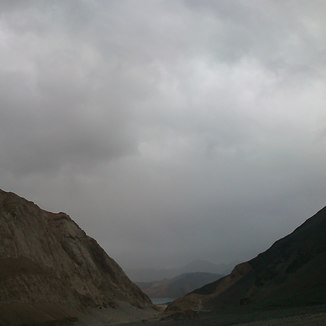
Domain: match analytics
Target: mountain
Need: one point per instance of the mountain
(177, 286)
(50, 270)
(153, 275)
(203, 266)
(149, 274)
(291, 273)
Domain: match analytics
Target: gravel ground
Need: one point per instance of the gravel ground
(305, 316)
(307, 320)
(304, 320)
(309, 316)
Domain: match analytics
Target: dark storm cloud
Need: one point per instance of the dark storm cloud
(171, 130)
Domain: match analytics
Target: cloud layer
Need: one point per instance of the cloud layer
(170, 130)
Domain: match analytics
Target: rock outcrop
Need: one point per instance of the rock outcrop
(50, 270)
(291, 273)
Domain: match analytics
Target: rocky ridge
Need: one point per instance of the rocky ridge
(291, 273)
(50, 270)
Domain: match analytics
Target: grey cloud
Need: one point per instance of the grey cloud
(45, 126)
(170, 130)
(285, 36)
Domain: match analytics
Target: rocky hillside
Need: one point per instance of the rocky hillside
(51, 270)
(290, 273)
(177, 286)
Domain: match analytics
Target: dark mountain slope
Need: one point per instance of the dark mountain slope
(51, 270)
(292, 272)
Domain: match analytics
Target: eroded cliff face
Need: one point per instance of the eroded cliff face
(51, 270)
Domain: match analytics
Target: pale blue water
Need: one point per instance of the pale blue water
(162, 300)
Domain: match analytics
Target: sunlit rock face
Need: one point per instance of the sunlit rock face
(51, 270)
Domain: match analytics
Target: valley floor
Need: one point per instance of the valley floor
(305, 320)
(310, 316)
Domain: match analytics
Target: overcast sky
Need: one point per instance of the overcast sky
(169, 130)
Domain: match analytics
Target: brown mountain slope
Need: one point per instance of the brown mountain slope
(290, 273)
(51, 270)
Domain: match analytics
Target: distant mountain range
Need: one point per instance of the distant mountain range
(291, 273)
(196, 266)
(177, 286)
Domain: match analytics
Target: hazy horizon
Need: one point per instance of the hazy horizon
(170, 131)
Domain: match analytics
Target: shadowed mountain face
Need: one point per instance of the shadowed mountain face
(51, 270)
(177, 286)
(290, 273)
